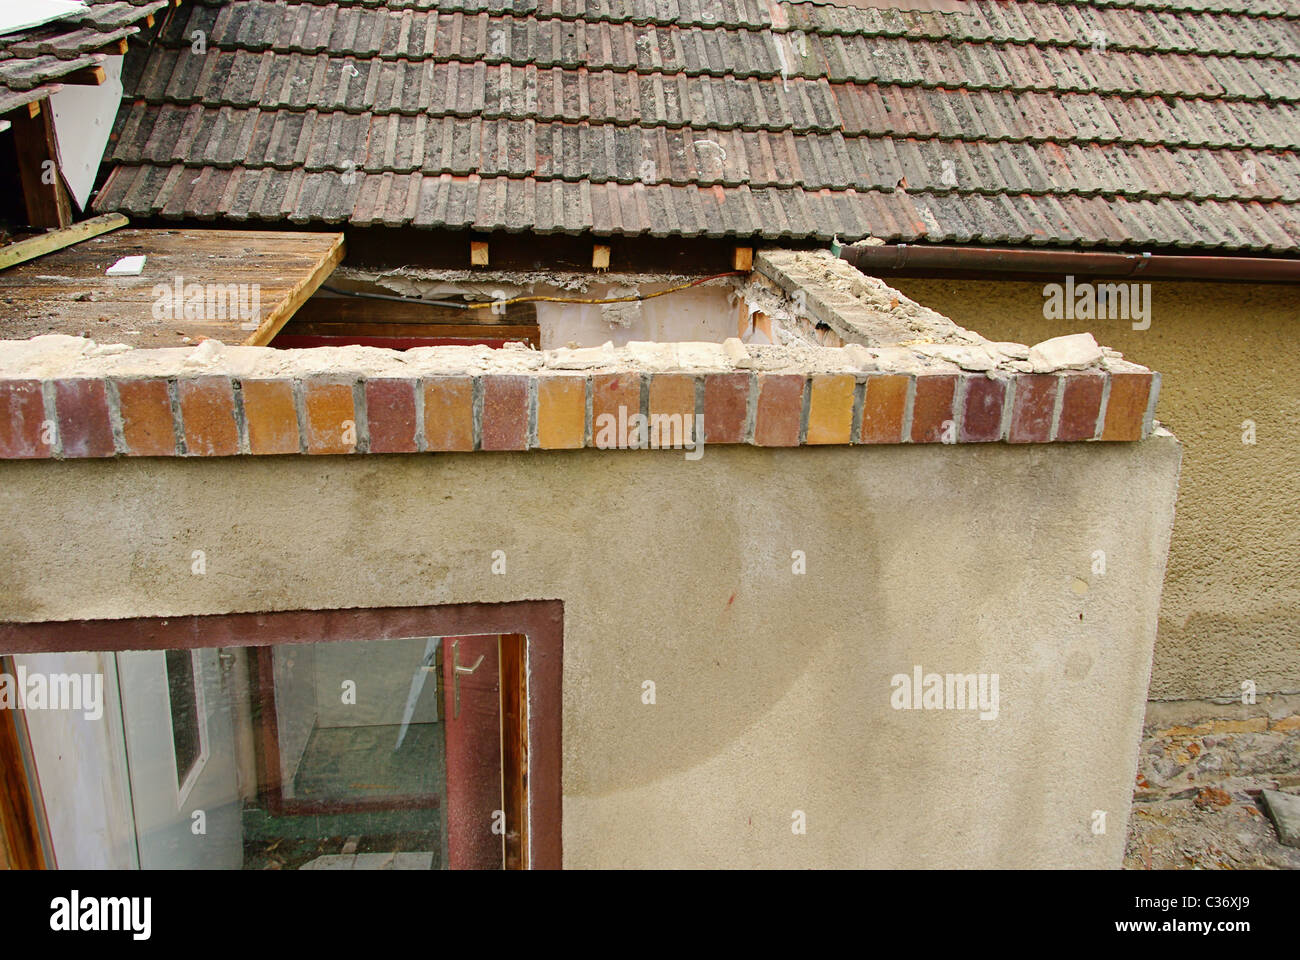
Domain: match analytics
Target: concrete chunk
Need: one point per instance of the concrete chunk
(1077, 351)
(1016, 351)
(1284, 809)
(735, 350)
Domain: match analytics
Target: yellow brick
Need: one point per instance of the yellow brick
(830, 411)
(561, 412)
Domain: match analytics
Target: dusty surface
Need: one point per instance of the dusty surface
(880, 329)
(230, 285)
(63, 356)
(1182, 835)
(859, 308)
(1197, 803)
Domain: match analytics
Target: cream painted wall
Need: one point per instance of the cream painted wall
(704, 314)
(1228, 353)
(772, 689)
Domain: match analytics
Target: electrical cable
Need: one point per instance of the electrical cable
(636, 299)
(455, 304)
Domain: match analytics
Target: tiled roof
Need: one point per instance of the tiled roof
(1128, 122)
(40, 55)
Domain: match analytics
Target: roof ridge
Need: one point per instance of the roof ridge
(1060, 76)
(1278, 9)
(931, 26)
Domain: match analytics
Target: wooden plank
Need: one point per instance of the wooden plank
(90, 262)
(116, 323)
(514, 747)
(66, 291)
(328, 309)
(38, 167)
(29, 249)
(303, 289)
(20, 839)
(743, 259)
(85, 77)
(496, 331)
(600, 257)
(289, 341)
(478, 253)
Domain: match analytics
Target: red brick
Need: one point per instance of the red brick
(981, 420)
(449, 413)
(505, 413)
(331, 416)
(84, 424)
(22, 416)
(390, 415)
(147, 424)
(208, 416)
(271, 416)
(726, 406)
(1032, 408)
(1080, 405)
(779, 411)
(1126, 407)
(932, 406)
(883, 406)
(609, 391)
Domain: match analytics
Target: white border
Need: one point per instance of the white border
(183, 789)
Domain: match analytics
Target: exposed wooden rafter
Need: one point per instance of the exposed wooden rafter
(37, 150)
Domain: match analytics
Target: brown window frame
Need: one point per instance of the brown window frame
(537, 746)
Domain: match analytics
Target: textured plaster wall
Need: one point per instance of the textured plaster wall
(1227, 353)
(772, 689)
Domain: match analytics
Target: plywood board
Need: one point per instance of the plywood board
(236, 286)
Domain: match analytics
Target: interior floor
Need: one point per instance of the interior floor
(403, 787)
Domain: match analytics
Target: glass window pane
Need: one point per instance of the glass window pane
(364, 754)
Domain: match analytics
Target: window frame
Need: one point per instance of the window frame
(541, 622)
(184, 787)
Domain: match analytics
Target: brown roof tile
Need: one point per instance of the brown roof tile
(1008, 123)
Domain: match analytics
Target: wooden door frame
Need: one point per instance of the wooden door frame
(22, 810)
(537, 784)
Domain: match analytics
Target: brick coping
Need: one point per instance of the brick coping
(64, 397)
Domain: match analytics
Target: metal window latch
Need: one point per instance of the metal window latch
(457, 671)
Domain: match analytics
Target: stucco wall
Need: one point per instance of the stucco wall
(772, 689)
(1227, 353)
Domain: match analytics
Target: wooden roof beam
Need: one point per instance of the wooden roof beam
(37, 149)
